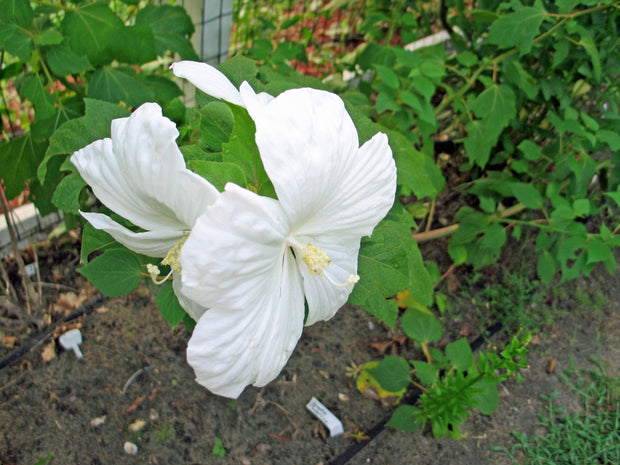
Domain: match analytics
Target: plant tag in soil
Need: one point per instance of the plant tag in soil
(72, 340)
(333, 424)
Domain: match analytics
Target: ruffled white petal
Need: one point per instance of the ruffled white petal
(152, 243)
(234, 247)
(232, 348)
(208, 79)
(235, 262)
(140, 173)
(323, 297)
(325, 182)
(193, 308)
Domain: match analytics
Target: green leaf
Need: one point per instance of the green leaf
(172, 27)
(89, 29)
(115, 272)
(31, 87)
(16, 41)
(481, 139)
(598, 251)
(242, 151)
(518, 28)
(19, 159)
(460, 355)
(115, 85)
(17, 12)
(388, 76)
(486, 397)
(164, 90)
(496, 105)
(416, 171)
(426, 373)
(64, 61)
(48, 37)
(546, 267)
(530, 150)
(216, 125)
(403, 419)
(383, 270)
(79, 132)
(142, 48)
(392, 373)
(219, 173)
(95, 239)
(169, 306)
(67, 194)
(527, 194)
(421, 325)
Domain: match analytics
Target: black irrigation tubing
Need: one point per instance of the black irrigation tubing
(409, 399)
(21, 351)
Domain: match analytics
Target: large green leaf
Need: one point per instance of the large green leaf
(239, 69)
(216, 125)
(496, 105)
(242, 151)
(383, 269)
(403, 419)
(417, 172)
(115, 272)
(142, 44)
(218, 173)
(32, 88)
(89, 29)
(115, 85)
(420, 324)
(79, 132)
(460, 355)
(63, 61)
(392, 373)
(518, 28)
(15, 41)
(169, 306)
(172, 27)
(17, 12)
(19, 159)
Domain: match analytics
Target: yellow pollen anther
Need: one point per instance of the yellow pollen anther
(172, 257)
(315, 258)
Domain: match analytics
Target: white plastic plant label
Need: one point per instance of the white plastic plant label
(333, 424)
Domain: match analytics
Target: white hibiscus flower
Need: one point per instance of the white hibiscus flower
(139, 173)
(255, 261)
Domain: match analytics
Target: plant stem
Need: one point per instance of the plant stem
(448, 230)
(29, 291)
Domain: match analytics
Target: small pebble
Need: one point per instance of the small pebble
(130, 448)
(97, 421)
(136, 426)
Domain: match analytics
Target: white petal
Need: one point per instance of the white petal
(140, 173)
(231, 348)
(233, 246)
(325, 182)
(193, 308)
(323, 297)
(253, 100)
(208, 79)
(236, 263)
(152, 243)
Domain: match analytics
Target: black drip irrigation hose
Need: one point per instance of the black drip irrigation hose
(409, 399)
(22, 350)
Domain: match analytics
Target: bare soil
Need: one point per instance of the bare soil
(134, 373)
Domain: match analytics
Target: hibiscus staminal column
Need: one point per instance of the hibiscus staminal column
(317, 261)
